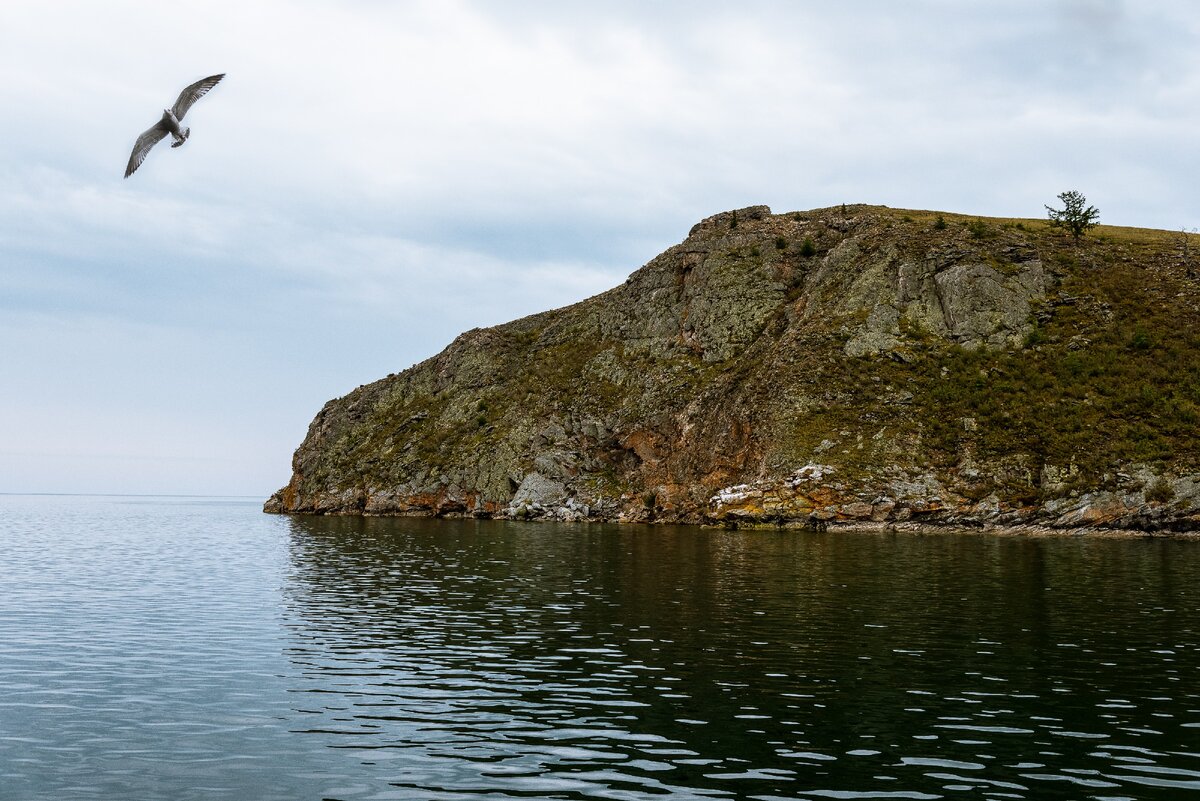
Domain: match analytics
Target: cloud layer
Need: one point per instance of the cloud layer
(372, 178)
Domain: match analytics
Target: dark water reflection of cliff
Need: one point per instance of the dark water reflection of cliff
(456, 659)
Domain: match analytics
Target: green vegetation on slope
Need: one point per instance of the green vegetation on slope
(725, 360)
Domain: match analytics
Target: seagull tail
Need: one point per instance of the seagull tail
(186, 133)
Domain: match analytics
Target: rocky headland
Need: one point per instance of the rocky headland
(854, 365)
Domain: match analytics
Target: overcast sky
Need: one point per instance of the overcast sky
(372, 178)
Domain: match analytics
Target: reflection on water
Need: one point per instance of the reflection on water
(509, 660)
(188, 649)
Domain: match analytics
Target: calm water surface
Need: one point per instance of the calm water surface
(158, 648)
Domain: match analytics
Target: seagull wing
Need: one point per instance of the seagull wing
(153, 135)
(189, 96)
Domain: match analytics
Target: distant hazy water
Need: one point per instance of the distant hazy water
(158, 648)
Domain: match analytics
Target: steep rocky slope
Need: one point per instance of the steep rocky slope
(856, 363)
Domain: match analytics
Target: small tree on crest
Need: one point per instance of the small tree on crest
(1075, 217)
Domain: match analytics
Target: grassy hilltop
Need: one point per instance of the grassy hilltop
(856, 363)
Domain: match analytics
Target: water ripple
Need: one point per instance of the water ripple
(189, 649)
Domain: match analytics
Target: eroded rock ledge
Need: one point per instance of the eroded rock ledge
(845, 366)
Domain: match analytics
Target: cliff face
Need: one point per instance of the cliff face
(845, 364)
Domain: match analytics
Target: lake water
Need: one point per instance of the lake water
(182, 648)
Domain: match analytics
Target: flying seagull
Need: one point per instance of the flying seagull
(169, 124)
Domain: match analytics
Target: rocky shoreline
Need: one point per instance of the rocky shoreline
(813, 498)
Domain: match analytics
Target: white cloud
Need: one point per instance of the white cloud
(372, 178)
